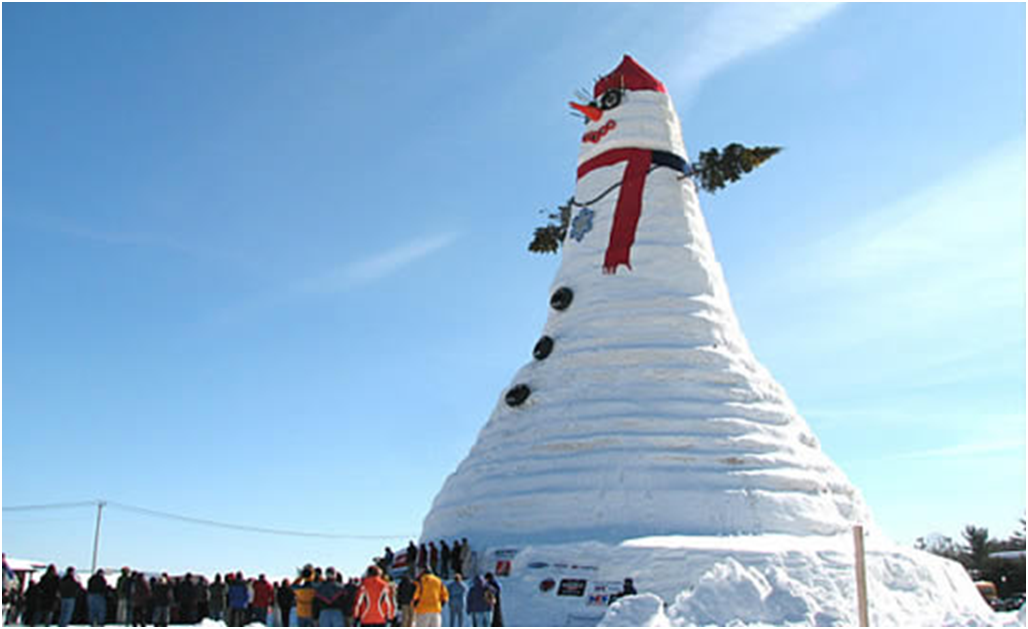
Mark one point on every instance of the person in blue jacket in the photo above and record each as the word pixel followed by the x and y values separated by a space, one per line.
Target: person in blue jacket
pixel 238 601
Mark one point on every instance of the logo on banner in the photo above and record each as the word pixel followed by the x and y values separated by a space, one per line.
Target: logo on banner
pixel 574 566
pixel 602 592
pixel 571 587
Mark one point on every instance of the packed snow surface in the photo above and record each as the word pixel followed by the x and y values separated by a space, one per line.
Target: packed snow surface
pixel 772 580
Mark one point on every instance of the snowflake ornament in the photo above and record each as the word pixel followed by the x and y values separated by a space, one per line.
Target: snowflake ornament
pixel 582 224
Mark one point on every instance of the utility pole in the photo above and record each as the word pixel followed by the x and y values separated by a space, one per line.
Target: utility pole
pixel 100 504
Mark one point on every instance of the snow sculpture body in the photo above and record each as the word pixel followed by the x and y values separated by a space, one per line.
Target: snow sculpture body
pixel 650 414
pixel 644 440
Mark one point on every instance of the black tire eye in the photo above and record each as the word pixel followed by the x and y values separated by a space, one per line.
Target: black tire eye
pixel 610 99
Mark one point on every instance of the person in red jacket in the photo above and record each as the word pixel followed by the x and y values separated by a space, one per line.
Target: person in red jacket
pixel 263 599
pixel 374 607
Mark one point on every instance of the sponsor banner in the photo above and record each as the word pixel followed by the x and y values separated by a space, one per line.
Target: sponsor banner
pixel 503 558
pixel 575 567
pixel 571 587
pixel 600 593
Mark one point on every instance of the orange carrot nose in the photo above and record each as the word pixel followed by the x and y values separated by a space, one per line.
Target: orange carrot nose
pixel 592 113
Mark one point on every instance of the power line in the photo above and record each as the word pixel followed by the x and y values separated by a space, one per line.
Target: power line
pixel 246 527
pixel 53 505
pixel 167 515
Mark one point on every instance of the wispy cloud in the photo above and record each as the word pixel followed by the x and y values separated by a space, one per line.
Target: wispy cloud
pixel 964 450
pixel 49 223
pixel 937 264
pixel 971 220
pixel 729 32
pixel 347 276
pixel 374 267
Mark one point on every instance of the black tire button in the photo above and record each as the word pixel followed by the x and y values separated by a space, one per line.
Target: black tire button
pixel 562 298
pixel 517 395
pixel 543 348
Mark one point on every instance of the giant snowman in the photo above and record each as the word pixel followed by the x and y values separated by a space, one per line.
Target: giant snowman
pixel 644 440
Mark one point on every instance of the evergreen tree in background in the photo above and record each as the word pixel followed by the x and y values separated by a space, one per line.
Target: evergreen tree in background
pixel 939 545
pixel 978 547
pixel 1007 574
pixel 713 171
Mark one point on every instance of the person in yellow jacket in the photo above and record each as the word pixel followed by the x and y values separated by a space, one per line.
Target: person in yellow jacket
pixel 304 591
pixel 429 597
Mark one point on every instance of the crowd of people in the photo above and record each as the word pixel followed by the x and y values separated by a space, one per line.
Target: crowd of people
pixel 409 589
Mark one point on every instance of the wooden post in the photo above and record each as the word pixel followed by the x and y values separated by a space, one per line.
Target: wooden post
pixel 858 544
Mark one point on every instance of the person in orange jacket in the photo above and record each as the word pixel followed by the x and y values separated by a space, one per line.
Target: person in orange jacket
pixel 374 606
pixel 429 597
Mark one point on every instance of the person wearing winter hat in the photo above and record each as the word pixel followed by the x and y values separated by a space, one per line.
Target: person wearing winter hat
pixel 163 596
pixel 480 603
pixel 429 597
pixel 329 601
pixel 405 600
pixel 238 601
pixel 96 599
pixel 374 607
pixel 494 587
pixel 303 591
pixel 69 589
pixel 263 599
pixel 458 591
pixel 142 599
pixel 286 600
pixel 124 589
pixel 217 598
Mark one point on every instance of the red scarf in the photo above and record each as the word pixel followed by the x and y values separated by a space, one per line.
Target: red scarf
pixel 629 206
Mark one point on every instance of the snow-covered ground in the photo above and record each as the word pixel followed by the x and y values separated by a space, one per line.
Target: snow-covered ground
pixel 762 580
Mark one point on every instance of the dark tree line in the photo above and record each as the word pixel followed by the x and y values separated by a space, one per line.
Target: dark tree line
pixel 974 552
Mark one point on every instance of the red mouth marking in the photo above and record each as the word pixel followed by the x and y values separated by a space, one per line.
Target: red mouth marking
pixel 597 135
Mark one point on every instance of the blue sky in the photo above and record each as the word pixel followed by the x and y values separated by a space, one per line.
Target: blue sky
pixel 266 264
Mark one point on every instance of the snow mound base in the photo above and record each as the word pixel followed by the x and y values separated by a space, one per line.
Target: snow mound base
pixel 730 593
pixel 754 580
pixel 1013 619
pixel 643 610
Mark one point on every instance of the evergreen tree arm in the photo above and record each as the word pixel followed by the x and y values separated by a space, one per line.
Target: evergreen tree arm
pixel 716 169
pixel 549 238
